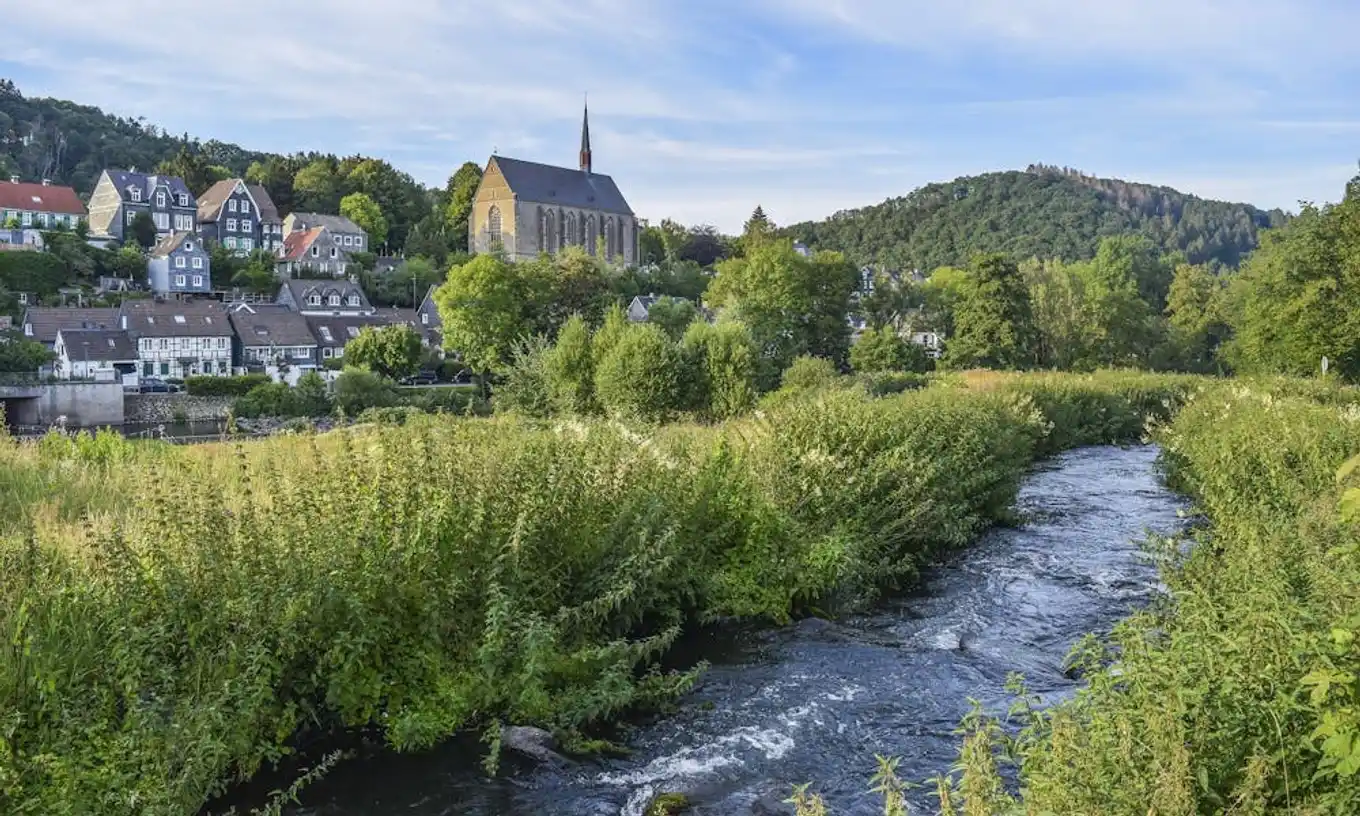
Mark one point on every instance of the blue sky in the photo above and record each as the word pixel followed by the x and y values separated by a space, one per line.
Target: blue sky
pixel 702 109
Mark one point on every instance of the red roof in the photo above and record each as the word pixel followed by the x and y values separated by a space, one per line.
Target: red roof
pixel 296 244
pixel 39 198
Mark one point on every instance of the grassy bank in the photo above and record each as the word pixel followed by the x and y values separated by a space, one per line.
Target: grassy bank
pixel 175 618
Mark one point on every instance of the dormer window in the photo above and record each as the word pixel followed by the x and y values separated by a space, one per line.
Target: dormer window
pixel 135 194
pixel 337 240
pixel 183 200
pixel 160 199
pixel 180 319
pixel 353 331
pixel 335 300
pixel 313 300
pixel 354 300
pixel 326 334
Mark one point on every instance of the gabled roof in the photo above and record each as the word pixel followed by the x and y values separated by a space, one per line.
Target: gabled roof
pixel 147 182
pixel 334 331
pixel 167 245
pixel 213 199
pixel 175 318
pixel 40 198
pixel 100 345
pixel 301 289
pixel 334 223
pixel 296 244
pixel 267 325
pixel 547 184
pixel 46 321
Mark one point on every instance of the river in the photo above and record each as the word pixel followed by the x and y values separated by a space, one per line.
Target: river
pixel 815 701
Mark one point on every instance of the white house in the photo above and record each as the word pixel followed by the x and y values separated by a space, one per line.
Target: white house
pixel 94 354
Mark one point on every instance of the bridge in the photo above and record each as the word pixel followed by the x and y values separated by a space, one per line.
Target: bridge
pixel 27 401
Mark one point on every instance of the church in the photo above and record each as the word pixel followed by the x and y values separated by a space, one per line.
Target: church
pixel 525 208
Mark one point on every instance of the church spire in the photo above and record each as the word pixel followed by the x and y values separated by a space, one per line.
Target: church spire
pixel 585 139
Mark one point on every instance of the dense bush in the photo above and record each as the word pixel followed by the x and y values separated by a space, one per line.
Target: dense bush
pixel 640 377
pixel 357 390
pixel 523 387
pixel 886 383
pixel 310 398
pixel 569 370
pixel 203 386
pixel 883 349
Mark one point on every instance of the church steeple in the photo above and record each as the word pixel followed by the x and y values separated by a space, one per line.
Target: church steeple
pixel 585 139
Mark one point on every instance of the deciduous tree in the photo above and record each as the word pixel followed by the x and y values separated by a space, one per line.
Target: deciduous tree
pixel 390 351
pixel 993 322
pixel 365 212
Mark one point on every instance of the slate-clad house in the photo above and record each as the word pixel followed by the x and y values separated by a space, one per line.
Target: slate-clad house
pixel 121 194
pixel 41 206
pixel 179 264
pixel 268 335
pixel 345 235
pixel 322 297
pixel 311 253
pixel 431 325
pixel 96 354
pixel 239 216
pixel 332 332
pixel 640 307
pixel 179 338
pixel 42 323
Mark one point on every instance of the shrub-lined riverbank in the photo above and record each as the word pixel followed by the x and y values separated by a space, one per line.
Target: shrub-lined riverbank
pixel 451 574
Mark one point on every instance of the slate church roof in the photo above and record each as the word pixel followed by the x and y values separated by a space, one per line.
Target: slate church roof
pixel 546 184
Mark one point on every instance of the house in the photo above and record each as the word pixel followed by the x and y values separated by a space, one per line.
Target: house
pixel 239 216
pixel 931 341
pixel 42 323
pixel 332 332
pixel 640 307
pixel 344 233
pixel 271 335
pixel 321 297
pixel 94 354
pixel 120 195
pixel 431 325
pixel 20 238
pixel 311 253
pixel 179 338
pixel 525 208
pixel 802 249
pixel 179 264
pixel 44 205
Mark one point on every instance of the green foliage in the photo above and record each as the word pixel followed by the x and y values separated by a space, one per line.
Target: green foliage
pixel 224 386
pixel 993 321
pixel 37 272
pixel 405 285
pixel 569 370
pixel 723 366
pixel 673 315
pixel 640 376
pixel 198 172
pixel 792 304
pixel 357 390
pixel 461 190
pixel 1042 212
pixel 142 230
pixel 884 349
pixel 390 351
pixel 809 374
pixel 365 212
pixel 525 385
pixel 19 355
pixel 483 310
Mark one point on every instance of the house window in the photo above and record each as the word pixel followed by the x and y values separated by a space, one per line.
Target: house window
pixel 161 344
pixel 28 219
pixel 42 219
pixel 183 200
pixel 188 246
pixel 179 281
pixel 163 222
pixel 569 234
pixel 198 263
pixel 165 369
pixel 326 334
pixel 131 216
pixel 336 240
pixel 221 366
pixel 179 262
pixel 160 199
pixel 231 205
pixel 198 279
pixel 349 240
pixel 245 206
pixel 424 319
pixel 334 252
pixel 245 225
pixel 221 342
pixel 353 331
pixel 184 223
pixel 335 300
pixel 326 352
pixel 231 225
pixel 247 244
pixel 359 241
pixel 314 300
pixel 354 300
pixel 493 224
pixel 316 252
pixel 230 242
pixel 135 194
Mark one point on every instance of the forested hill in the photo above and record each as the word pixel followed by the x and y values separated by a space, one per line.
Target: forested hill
pixel 1048 212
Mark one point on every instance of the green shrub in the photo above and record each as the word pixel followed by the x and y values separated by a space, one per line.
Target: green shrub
pixel 723 368
pixel 886 383
pixel 397 415
pixel 357 390
pixel 569 370
pixel 523 386
pixel 882 350
pixel 445 400
pixel 204 386
pixel 809 374
pixel 639 377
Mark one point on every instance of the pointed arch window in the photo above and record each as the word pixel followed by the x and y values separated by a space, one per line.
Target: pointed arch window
pixel 621 243
pixel 493 224
pixel 542 230
pixel 560 234
pixel 590 234
pixel 609 239
pixel 569 234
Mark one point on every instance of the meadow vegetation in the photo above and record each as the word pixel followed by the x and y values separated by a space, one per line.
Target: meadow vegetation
pixel 176 619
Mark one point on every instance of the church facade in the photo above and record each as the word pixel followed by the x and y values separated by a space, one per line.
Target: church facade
pixel 526 208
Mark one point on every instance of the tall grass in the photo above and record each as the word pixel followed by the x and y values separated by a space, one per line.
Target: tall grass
pixel 213 606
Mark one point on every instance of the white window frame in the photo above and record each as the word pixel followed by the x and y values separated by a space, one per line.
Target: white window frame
pixel 335 253
pixel 231 205
pixel 231 225
pixel 316 252
pixel 198 263
pixel 354 301
pixel 135 194
pixel 131 216
pixel 245 206
pixel 27 219
pixel 229 242
pixel 179 262
pixel 179 280
pixel 188 246
pixel 160 198
pixel 183 200
pixel 247 244
pixel 359 241
pixel 162 221
pixel 313 300
pixel 349 240
pixel 198 279
pixel 334 300
pixel 245 225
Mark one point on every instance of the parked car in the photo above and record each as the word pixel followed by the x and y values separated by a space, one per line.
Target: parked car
pixel 462 378
pixel 154 385
pixel 422 378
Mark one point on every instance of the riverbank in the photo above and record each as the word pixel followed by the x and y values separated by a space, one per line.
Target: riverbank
pixel 452 574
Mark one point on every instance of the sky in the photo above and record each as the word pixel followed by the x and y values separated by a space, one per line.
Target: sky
pixel 703 109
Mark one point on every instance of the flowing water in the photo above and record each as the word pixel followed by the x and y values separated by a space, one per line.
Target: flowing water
pixel 815 701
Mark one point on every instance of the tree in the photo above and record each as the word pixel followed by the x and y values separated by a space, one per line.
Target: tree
pixel 460 191
pixel 194 168
pixel 792 304
pixel 890 301
pixel 364 211
pixel 569 369
pixel 726 364
pixel 673 315
pixel 257 275
pixel 1063 322
pixel 568 283
pixel 639 378
pixel 757 230
pixel 880 350
pixel 993 322
pixel 405 285
pixel 1196 318
pixel 19 355
pixel 390 351
pixel 485 307
pixel 143 230
pixel 317 187
pixel 357 390
pixel 275 174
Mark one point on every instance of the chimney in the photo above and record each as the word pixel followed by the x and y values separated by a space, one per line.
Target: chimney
pixel 47 182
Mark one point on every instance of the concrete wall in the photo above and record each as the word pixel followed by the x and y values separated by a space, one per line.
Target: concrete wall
pixel 82 404
pixel 175 407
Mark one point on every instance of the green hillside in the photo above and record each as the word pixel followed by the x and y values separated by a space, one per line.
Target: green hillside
pixel 1045 212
